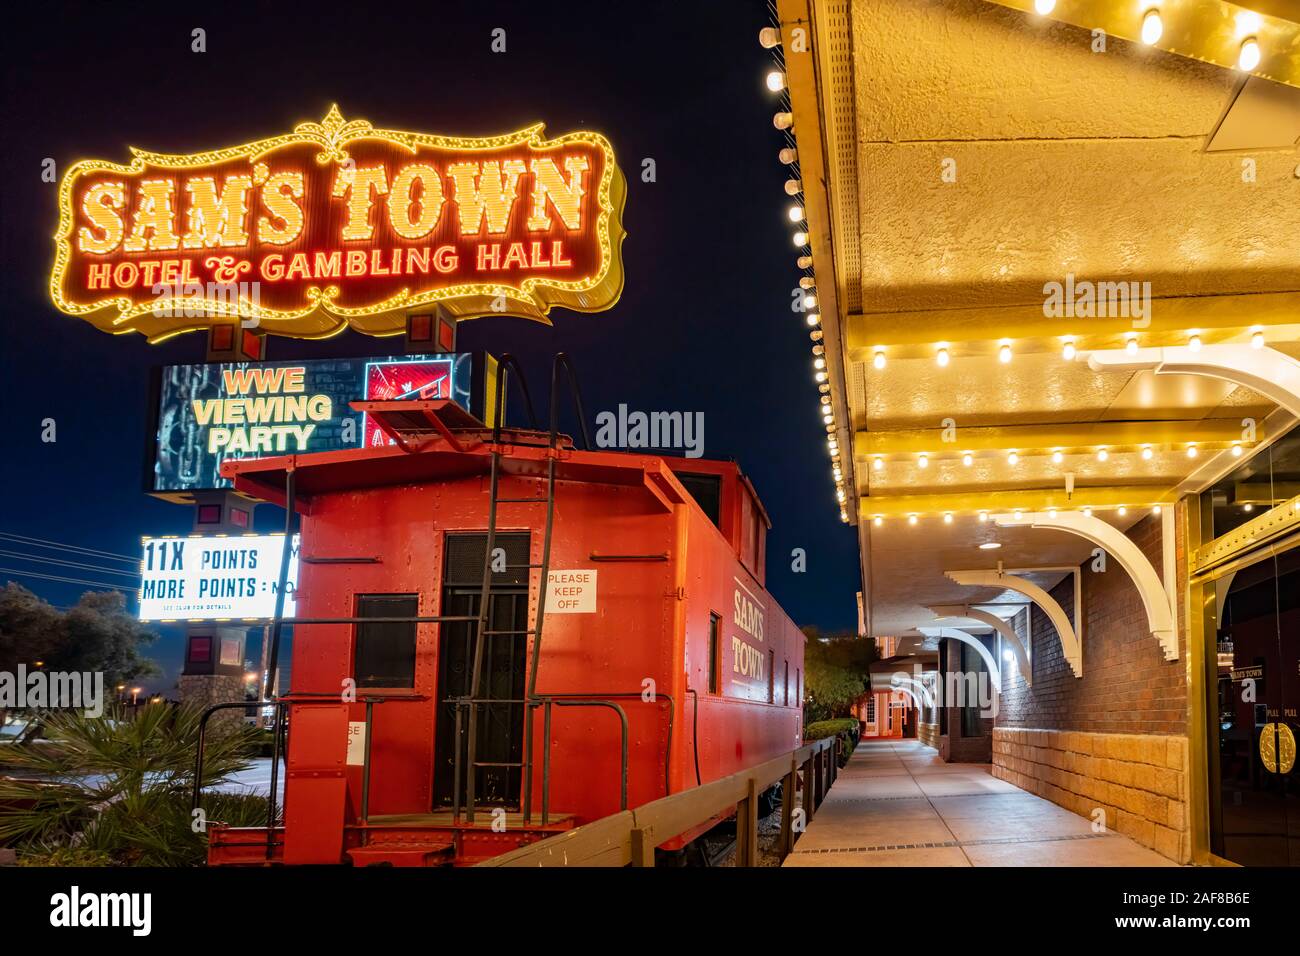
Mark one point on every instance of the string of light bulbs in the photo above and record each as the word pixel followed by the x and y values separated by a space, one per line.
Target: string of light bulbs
pixel 776 82
pixel 1247 55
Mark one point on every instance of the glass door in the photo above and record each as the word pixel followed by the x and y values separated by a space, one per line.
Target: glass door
pixel 1254 700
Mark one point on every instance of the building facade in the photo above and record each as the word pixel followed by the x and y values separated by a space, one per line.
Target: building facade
pixel 1051 264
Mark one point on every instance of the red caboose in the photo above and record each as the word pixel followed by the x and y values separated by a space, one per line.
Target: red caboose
pixel 656 661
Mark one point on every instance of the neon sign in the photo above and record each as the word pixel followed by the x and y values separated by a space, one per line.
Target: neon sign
pixel 340 224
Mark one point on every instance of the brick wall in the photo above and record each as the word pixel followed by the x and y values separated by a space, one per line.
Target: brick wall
pixel 1127 686
pixel 1114 738
pixel 928 734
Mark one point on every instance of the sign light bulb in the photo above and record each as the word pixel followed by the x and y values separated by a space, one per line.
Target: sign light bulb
pixel 776 80
pixel 967 459
pixel 1057 457
pixel 942 358
pixel 1044 7
pixel 923 461
pixel 1147 452
pixel 1257 340
pixel 1004 353
pixel 796 213
pixel 1068 352
pixel 878 360
pixel 1012 458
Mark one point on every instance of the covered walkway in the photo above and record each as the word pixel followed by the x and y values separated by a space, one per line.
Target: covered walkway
pixel 898 804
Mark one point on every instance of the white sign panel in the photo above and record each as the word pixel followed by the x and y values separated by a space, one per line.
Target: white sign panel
pixel 215 577
pixel 571 592
pixel 356 743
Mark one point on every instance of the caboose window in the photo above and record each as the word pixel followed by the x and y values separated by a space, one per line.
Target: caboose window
pixel 715 637
pixel 785 685
pixel 385 650
pixel 707 492
pixel 771 677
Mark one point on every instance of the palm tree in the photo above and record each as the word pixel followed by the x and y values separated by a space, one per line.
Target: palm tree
pixel 117 790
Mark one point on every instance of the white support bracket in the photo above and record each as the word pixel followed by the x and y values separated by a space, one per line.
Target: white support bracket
pixel 1267 371
pixel 1071 648
pixel 966 612
pixel 1155 599
pixel 957 634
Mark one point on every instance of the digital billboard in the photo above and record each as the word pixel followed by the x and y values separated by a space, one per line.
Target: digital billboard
pixel 210 412
pixel 214 577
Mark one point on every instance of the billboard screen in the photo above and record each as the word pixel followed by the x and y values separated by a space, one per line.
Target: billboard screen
pixel 207 413
pixel 214 577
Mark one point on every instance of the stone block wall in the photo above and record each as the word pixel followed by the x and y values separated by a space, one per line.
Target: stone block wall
pixel 1138 781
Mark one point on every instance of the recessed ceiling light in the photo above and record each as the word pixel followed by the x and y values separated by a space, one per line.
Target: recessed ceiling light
pixel 990 545
pixel 1152 27
pixel 1249 56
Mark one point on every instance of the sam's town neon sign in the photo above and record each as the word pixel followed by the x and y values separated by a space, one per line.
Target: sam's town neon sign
pixel 340 224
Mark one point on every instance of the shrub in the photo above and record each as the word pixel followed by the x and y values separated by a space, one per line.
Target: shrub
pixel 848 726
pixel 118 790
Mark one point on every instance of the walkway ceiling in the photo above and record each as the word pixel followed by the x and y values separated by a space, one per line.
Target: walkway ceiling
pixel 957 156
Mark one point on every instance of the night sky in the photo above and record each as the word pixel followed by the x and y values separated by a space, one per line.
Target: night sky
pixel 704 323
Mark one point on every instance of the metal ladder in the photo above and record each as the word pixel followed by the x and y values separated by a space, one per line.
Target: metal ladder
pixel 470 705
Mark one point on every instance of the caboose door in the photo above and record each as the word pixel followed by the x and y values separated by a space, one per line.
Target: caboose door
pixel 502 680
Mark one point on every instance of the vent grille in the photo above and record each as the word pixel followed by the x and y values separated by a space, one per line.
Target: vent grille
pixel 466 552
pixel 842 144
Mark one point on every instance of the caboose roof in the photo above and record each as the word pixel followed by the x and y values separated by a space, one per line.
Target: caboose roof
pixel 355 469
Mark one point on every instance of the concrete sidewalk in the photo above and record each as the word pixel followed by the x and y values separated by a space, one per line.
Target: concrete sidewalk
pixel 898 804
